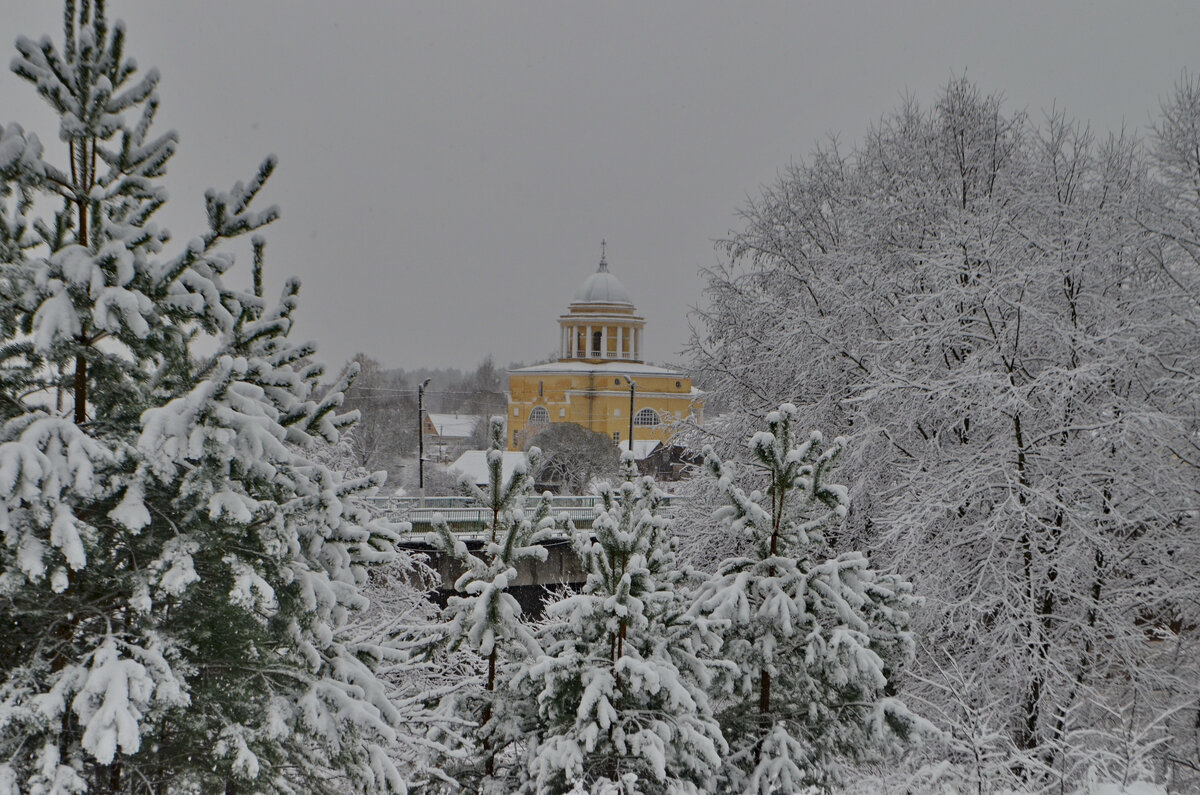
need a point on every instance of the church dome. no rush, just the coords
(602, 288)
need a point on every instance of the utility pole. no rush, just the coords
(421, 441)
(632, 389)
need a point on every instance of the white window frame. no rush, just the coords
(646, 413)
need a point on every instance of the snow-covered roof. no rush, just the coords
(473, 463)
(616, 368)
(641, 447)
(454, 426)
(602, 288)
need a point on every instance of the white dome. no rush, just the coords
(602, 288)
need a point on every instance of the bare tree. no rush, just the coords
(387, 406)
(983, 304)
(573, 456)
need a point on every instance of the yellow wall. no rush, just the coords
(598, 401)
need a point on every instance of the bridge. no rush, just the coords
(467, 520)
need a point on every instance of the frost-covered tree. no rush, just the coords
(176, 571)
(428, 740)
(814, 639)
(397, 623)
(481, 616)
(621, 685)
(995, 310)
(1176, 160)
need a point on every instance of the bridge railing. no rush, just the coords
(404, 504)
(466, 519)
(465, 516)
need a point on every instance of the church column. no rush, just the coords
(604, 341)
(620, 340)
(587, 342)
(637, 344)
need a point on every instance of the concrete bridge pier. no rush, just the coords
(536, 580)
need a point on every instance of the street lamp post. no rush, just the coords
(632, 389)
(421, 441)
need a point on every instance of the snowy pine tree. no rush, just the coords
(482, 616)
(175, 569)
(812, 639)
(621, 686)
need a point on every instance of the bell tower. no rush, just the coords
(601, 324)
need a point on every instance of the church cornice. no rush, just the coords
(627, 320)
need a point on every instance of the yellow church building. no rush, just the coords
(601, 339)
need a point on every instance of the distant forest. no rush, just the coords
(387, 400)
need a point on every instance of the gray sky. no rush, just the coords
(447, 169)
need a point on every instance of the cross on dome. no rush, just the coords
(602, 287)
(601, 321)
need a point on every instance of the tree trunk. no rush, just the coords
(81, 176)
(80, 386)
(490, 767)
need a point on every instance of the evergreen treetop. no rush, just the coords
(814, 641)
(620, 686)
(481, 615)
(175, 569)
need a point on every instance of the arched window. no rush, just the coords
(647, 417)
(597, 339)
(539, 415)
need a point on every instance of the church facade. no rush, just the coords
(601, 339)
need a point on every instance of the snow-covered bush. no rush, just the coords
(176, 572)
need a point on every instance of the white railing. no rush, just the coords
(397, 505)
(466, 517)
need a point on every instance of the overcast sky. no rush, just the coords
(448, 169)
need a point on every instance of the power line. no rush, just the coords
(390, 390)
